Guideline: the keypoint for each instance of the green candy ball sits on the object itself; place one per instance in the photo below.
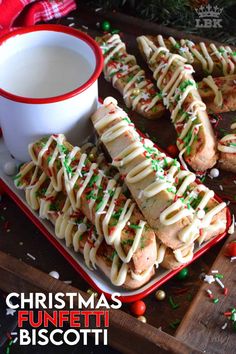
(106, 26)
(182, 274)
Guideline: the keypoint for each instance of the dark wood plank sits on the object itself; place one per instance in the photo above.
(16, 276)
(202, 323)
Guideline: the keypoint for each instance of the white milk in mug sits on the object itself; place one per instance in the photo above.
(48, 85)
(44, 71)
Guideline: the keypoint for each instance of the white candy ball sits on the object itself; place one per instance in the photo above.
(10, 168)
(54, 274)
(214, 172)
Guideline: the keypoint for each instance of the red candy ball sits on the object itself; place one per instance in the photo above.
(138, 308)
(173, 150)
(231, 249)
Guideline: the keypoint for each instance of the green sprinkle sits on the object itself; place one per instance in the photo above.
(115, 31)
(150, 150)
(117, 214)
(177, 45)
(99, 205)
(133, 226)
(91, 195)
(216, 300)
(142, 243)
(93, 180)
(111, 192)
(219, 276)
(130, 78)
(17, 176)
(171, 190)
(175, 324)
(233, 317)
(185, 84)
(165, 163)
(54, 207)
(172, 303)
(127, 120)
(155, 165)
(188, 150)
(63, 148)
(127, 242)
(112, 256)
(40, 193)
(49, 159)
(189, 297)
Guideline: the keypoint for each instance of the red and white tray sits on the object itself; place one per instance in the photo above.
(96, 279)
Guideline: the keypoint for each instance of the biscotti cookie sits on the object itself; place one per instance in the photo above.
(178, 209)
(122, 70)
(218, 93)
(196, 140)
(206, 59)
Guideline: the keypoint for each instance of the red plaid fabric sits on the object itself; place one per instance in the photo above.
(14, 13)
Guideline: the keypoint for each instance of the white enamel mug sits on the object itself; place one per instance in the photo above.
(25, 118)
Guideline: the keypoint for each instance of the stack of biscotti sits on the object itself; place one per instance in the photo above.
(196, 140)
(121, 68)
(123, 246)
(206, 59)
(179, 210)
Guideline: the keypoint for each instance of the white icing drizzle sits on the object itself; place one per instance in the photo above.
(175, 91)
(68, 179)
(188, 49)
(187, 257)
(165, 179)
(138, 87)
(218, 94)
(19, 178)
(227, 144)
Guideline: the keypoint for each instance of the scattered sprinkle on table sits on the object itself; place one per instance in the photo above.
(172, 303)
(224, 325)
(30, 256)
(209, 279)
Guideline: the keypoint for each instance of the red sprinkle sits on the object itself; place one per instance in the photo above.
(228, 313)
(6, 225)
(226, 290)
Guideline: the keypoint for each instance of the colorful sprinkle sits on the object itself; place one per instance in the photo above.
(30, 256)
(224, 325)
(175, 324)
(220, 283)
(172, 303)
(226, 290)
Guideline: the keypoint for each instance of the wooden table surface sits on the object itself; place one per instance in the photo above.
(19, 236)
